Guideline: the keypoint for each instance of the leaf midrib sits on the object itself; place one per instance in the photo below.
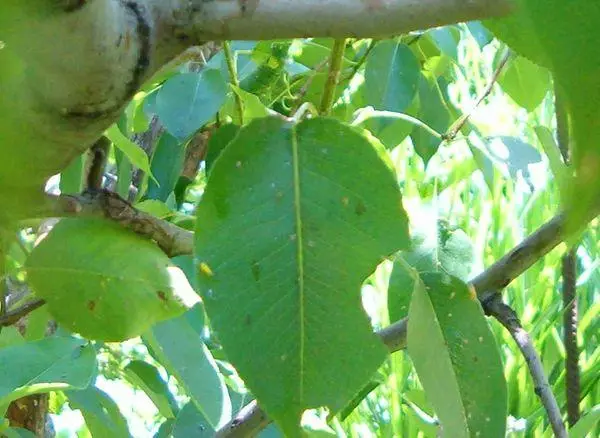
(299, 253)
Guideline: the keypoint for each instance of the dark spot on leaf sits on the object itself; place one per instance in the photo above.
(161, 295)
(360, 208)
(256, 271)
(475, 359)
(91, 305)
(247, 320)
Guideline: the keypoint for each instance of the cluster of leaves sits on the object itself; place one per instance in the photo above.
(291, 215)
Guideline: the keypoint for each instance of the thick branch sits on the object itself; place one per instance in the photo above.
(272, 19)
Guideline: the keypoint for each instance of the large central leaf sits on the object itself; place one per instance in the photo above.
(293, 219)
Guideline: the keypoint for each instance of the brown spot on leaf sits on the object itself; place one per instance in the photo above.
(91, 305)
(255, 270)
(360, 208)
(161, 295)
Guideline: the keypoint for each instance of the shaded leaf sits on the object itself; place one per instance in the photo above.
(434, 113)
(52, 364)
(166, 166)
(191, 423)
(180, 349)
(83, 279)
(187, 101)
(146, 376)
(100, 412)
(525, 82)
(456, 358)
(391, 77)
(218, 141)
(481, 34)
(313, 232)
(437, 247)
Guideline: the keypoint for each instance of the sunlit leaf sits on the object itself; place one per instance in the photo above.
(82, 268)
(525, 82)
(132, 151)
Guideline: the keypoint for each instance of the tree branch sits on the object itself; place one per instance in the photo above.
(265, 20)
(9, 318)
(252, 419)
(172, 239)
(509, 319)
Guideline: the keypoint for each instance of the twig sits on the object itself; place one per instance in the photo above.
(232, 68)
(9, 318)
(361, 61)
(506, 269)
(248, 422)
(460, 122)
(496, 277)
(509, 319)
(569, 288)
(333, 76)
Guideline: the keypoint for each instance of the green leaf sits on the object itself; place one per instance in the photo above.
(124, 172)
(586, 423)
(52, 364)
(180, 349)
(391, 77)
(100, 412)
(564, 37)
(513, 154)
(446, 38)
(187, 101)
(10, 336)
(437, 247)
(83, 280)
(557, 165)
(132, 151)
(71, 179)
(480, 33)
(312, 232)
(219, 141)
(191, 423)
(146, 376)
(155, 208)
(17, 432)
(166, 166)
(525, 82)
(252, 106)
(456, 358)
(434, 113)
